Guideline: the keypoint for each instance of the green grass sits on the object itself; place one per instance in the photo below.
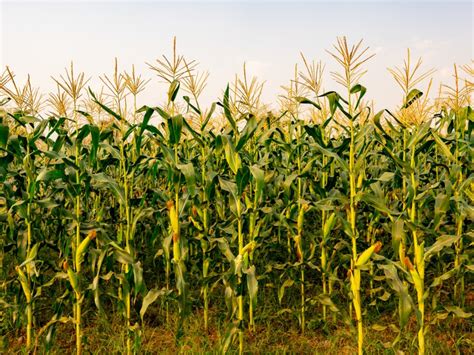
(271, 337)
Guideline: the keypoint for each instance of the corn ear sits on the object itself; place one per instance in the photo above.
(360, 180)
(81, 250)
(329, 225)
(367, 254)
(417, 280)
(323, 259)
(299, 252)
(173, 217)
(176, 247)
(300, 219)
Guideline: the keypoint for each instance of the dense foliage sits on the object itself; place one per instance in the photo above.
(325, 207)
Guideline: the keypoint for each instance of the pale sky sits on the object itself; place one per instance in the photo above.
(41, 38)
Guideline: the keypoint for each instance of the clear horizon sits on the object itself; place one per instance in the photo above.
(41, 38)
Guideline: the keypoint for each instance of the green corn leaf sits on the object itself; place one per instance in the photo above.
(208, 117)
(49, 175)
(458, 312)
(252, 284)
(95, 139)
(150, 297)
(143, 126)
(242, 179)
(175, 127)
(316, 133)
(227, 113)
(361, 90)
(386, 176)
(440, 243)
(446, 276)
(195, 135)
(247, 133)
(281, 290)
(378, 203)
(138, 283)
(231, 155)
(4, 133)
(333, 98)
(190, 176)
(443, 147)
(105, 108)
(304, 100)
(398, 234)
(412, 96)
(405, 305)
(225, 249)
(188, 101)
(102, 180)
(30, 257)
(173, 90)
(259, 177)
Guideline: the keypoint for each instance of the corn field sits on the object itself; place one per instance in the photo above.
(318, 210)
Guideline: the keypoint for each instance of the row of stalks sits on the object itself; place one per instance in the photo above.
(324, 210)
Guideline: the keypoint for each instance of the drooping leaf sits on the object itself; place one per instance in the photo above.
(304, 100)
(361, 90)
(458, 312)
(412, 96)
(173, 90)
(150, 297)
(440, 243)
(102, 180)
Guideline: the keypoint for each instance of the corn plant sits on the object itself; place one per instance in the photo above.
(241, 213)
